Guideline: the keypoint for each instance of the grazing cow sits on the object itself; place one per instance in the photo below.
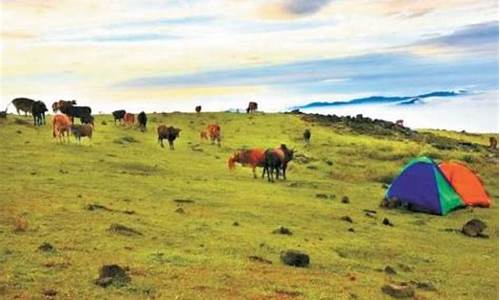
(307, 136)
(129, 119)
(213, 132)
(400, 123)
(23, 104)
(87, 119)
(82, 130)
(118, 115)
(493, 143)
(252, 107)
(198, 108)
(38, 111)
(169, 133)
(276, 159)
(61, 124)
(142, 119)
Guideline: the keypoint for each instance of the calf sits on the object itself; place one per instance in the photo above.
(82, 130)
(213, 132)
(38, 110)
(169, 133)
(142, 119)
(118, 115)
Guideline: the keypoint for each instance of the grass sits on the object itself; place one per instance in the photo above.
(198, 252)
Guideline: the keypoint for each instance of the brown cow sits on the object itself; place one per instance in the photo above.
(61, 124)
(82, 130)
(169, 133)
(63, 105)
(493, 143)
(129, 119)
(213, 132)
(252, 107)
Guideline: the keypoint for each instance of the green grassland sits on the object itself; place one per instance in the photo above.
(199, 253)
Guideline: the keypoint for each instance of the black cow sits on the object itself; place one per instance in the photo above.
(38, 110)
(252, 107)
(307, 136)
(169, 133)
(23, 104)
(142, 119)
(119, 114)
(276, 159)
(87, 119)
(197, 108)
(78, 112)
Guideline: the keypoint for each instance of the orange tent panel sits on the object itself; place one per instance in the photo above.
(466, 184)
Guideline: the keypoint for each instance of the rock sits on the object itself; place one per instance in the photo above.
(387, 222)
(346, 218)
(260, 259)
(282, 230)
(180, 210)
(474, 228)
(390, 270)
(370, 211)
(295, 258)
(236, 223)
(322, 196)
(350, 229)
(112, 274)
(123, 230)
(370, 215)
(46, 247)
(398, 291)
(345, 200)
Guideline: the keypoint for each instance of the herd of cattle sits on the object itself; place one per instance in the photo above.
(274, 161)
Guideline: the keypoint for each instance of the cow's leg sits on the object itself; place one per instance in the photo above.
(254, 173)
(284, 171)
(171, 144)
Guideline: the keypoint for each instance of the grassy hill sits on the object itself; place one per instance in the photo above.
(70, 195)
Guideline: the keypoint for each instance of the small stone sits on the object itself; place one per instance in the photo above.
(295, 258)
(387, 222)
(345, 200)
(180, 210)
(398, 291)
(236, 223)
(282, 230)
(112, 274)
(370, 215)
(351, 229)
(322, 196)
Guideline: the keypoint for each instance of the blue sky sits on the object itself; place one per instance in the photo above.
(221, 53)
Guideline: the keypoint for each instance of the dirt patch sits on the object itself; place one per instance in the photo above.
(259, 259)
(123, 230)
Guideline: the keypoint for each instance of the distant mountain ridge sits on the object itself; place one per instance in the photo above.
(401, 100)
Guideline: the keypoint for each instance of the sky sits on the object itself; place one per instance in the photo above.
(174, 54)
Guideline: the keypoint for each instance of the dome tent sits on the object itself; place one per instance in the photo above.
(466, 184)
(423, 186)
